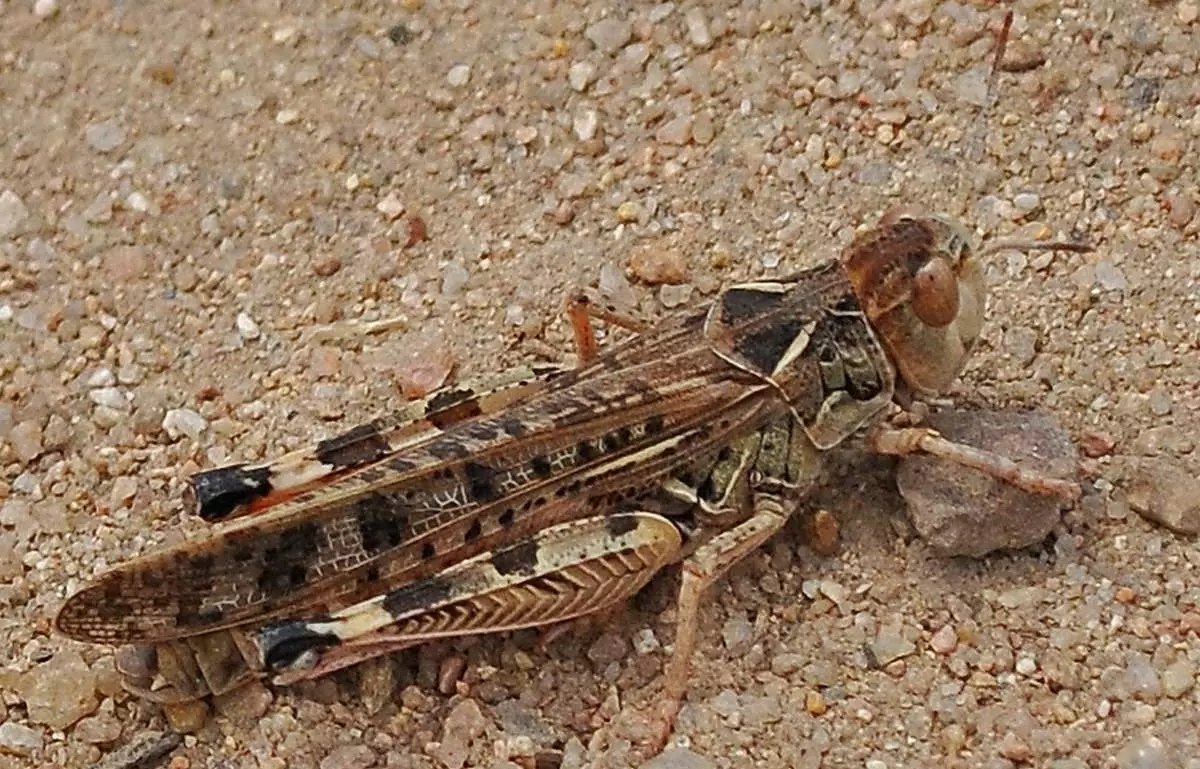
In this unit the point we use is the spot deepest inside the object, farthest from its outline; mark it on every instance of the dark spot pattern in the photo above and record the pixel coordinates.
(764, 347)
(541, 467)
(428, 551)
(285, 642)
(512, 426)
(617, 525)
(741, 304)
(518, 559)
(481, 482)
(382, 522)
(418, 595)
(475, 530)
(356, 446)
(286, 562)
(507, 517)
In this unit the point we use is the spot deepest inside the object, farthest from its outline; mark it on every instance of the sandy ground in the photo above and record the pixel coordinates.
(186, 194)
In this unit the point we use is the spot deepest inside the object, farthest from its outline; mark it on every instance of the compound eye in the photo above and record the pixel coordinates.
(935, 293)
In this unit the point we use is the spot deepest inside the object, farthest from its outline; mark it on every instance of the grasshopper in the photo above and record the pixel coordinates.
(554, 494)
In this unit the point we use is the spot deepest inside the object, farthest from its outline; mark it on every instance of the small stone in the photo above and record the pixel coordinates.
(180, 422)
(677, 130)
(1014, 748)
(59, 692)
(286, 116)
(1142, 678)
(1145, 751)
(26, 440)
(450, 672)
(889, 645)
(1096, 444)
(454, 278)
(1180, 209)
(13, 214)
(615, 287)
(1166, 494)
(1025, 203)
(459, 75)
(673, 296)
(245, 704)
(1110, 277)
(652, 264)
(124, 489)
(99, 729)
(815, 703)
(1000, 516)
(581, 74)
(514, 315)
(585, 125)
(821, 531)
(609, 35)
(679, 758)
(424, 366)
(608, 648)
(247, 328)
(325, 266)
(645, 642)
(19, 740)
(697, 27)
(349, 757)
(391, 206)
(104, 136)
(629, 212)
(787, 663)
(945, 640)
(738, 633)
(45, 9)
(109, 397)
(1026, 666)
(1178, 678)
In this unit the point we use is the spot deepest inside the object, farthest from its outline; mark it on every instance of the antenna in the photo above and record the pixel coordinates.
(979, 130)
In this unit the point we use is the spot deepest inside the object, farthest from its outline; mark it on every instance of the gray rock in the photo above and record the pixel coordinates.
(961, 511)
(350, 757)
(1164, 493)
(13, 214)
(19, 739)
(60, 691)
(679, 758)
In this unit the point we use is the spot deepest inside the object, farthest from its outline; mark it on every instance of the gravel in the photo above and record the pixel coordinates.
(422, 169)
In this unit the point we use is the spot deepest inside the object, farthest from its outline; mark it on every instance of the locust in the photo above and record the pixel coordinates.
(556, 493)
(549, 493)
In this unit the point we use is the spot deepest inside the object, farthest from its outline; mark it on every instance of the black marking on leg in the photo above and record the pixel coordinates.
(654, 425)
(518, 559)
(481, 482)
(214, 494)
(354, 447)
(474, 531)
(382, 522)
(285, 642)
(507, 517)
(618, 525)
(428, 551)
(418, 595)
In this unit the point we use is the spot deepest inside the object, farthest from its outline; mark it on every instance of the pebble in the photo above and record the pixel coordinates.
(287, 116)
(652, 264)
(180, 422)
(697, 28)
(1145, 751)
(945, 640)
(423, 366)
(350, 757)
(26, 440)
(124, 489)
(247, 328)
(1162, 492)
(889, 645)
(676, 131)
(19, 739)
(459, 75)
(104, 136)
(645, 642)
(738, 633)
(454, 277)
(1001, 516)
(1026, 203)
(608, 648)
(673, 296)
(45, 9)
(585, 124)
(615, 287)
(13, 214)
(679, 758)
(1110, 277)
(110, 397)
(581, 74)
(1178, 678)
(59, 692)
(99, 729)
(391, 206)
(609, 35)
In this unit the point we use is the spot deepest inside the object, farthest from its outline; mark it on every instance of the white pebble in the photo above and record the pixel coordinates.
(286, 116)
(459, 75)
(102, 378)
(514, 315)
(1026, 666)
(391, 206)
(697, 27)
(111, 397)
(645, 642)
(45, 9)
(581, 74)
(138, 202)
(1026, 202)
(585, 125)
(180, 422)
(246, 327)
(13, 214)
